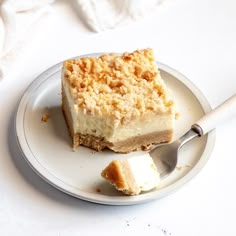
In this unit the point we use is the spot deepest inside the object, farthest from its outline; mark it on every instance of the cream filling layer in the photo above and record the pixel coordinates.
(144, 171)
(112, 132)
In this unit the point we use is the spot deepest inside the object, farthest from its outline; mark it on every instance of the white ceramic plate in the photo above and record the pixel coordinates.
(46, 146)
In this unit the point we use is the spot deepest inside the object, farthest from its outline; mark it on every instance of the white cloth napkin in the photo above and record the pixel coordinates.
(107, 14)
(17, 17)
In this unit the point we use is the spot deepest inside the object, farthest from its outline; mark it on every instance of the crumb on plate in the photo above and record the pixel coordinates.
(45, 117)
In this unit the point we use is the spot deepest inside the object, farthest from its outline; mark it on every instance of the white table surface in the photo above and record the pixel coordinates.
(198, 38)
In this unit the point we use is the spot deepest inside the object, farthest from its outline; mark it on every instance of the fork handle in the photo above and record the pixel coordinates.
(208, 122)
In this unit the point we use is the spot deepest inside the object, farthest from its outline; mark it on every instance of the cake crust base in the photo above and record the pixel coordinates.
(142, 142)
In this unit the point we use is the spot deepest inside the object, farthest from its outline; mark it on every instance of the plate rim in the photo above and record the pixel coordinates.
(104, 199)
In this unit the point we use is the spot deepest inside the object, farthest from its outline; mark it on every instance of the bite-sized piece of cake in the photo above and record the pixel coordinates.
(118, 102)
(132, 175)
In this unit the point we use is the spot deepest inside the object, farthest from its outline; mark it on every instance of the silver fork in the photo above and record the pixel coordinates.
(166, 155)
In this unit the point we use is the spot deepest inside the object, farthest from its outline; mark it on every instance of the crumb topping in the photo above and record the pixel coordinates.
(126, 85)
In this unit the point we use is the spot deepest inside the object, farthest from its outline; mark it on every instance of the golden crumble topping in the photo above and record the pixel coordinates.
(124, 85)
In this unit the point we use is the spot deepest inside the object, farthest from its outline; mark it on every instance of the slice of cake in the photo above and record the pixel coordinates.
(118, 102)
(132, 175)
